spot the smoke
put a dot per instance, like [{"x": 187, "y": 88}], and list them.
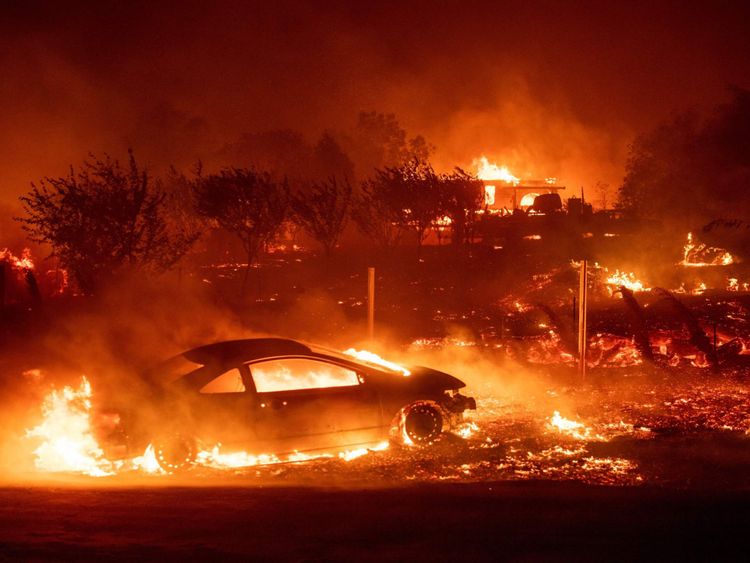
[{"x": 549, "y": 92}]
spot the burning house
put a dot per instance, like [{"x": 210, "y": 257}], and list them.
[{"x": 504, "y": 192}]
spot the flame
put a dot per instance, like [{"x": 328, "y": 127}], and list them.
[
  {"x": 372, "y": 358},
  {"x": 215, "y": 458},
  {"x": 23, "y": 263},
  {"x": 697, "y": 255},
  {"x": 69, "y": 444},
  {"x": 349, "y": 455},
  {"x": 627, "y": 280},
  {"x": 297, "y": 374},
  {"x": 527, "y": 200},
  {"x": 576, "y": 430},
  {"x": 491, "y": 171},
  {"x": 489, "y": 195},
  {"x": 147, "y": 462},
  {"x": 466, "y": 430}
]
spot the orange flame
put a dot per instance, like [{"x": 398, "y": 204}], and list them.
[
  {"x": 372, "y": 358},
  {"x": 696, "y": 255},
  {"x": 627, "y": 280},
  {"x": 69, "y": 444},
  {"x": 571, "y": 428},
  {"x": 24, "y": 262},
  {"x": 491, "y": 171}
]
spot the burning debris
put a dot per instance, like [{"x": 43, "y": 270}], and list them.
[{"x": 701, "y": 255}]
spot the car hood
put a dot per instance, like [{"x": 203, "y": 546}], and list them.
[{"x": 434, "y": 379}]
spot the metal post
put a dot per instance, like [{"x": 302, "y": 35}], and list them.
[
  {"x": 370, "y": 303},
  {"x": 582, "y": 304}
]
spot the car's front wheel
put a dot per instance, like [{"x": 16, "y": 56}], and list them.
[
  {"x": 174, "y": 452},
  {"x": 420, "y": 424}
]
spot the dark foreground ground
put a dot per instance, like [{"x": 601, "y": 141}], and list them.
[{"x": 444, "y": 522}]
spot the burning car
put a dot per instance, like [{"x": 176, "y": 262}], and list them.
[{"x": 278, "y": 395}]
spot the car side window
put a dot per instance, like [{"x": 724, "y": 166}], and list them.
[
  {"x": 227, "y": 382},
  {"x": 291, "y": 374}
]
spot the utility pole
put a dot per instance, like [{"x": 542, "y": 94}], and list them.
[
  {"x": 582, "y": 305},
  {"x": 370, "y": 303}
]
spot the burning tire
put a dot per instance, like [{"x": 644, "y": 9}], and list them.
[
  {"x": 420, "y": 424},
  {"x": 174, "y": 452}
]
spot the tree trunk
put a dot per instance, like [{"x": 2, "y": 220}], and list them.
[{"x": 250, "y": 260}]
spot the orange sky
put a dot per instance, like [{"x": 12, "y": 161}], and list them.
[{"x": 546, "y": 88}]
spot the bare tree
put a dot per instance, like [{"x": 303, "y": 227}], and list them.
[
  {"x": 602, "y": 190},
  {"x": 378, "y": 216},
  {"x": 418, "y": 188},
  {"x": 323, "y": 211},
  {"x": 399, "y": 199},
  {"x": 103, "y": 219},
  {"x": 246, "y": 203}
]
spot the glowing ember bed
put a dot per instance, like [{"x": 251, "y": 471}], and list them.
[{"x": 276, "y": 395}]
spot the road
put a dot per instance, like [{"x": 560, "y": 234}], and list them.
[{"x": 532, "y": 520}]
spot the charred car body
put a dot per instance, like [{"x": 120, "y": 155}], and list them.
[{"x": 272, "y": 395}]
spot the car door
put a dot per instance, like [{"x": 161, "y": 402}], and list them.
[
  {"x": 307, "y": 403},
  {"x": 223, "y": 410}
]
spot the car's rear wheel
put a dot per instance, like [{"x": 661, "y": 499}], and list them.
[
  {"x": 174, "y": 452},
  {"x": 420, "y": 424}
]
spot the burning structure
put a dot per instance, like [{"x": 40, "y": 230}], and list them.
[{"x": 505, "y": 193}]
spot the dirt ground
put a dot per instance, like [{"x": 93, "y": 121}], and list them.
[
  {"x": 656, "y": 467},
  {"x": 436, "y": 522}
]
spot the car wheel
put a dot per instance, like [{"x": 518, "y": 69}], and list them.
[
  {"x": 174, "y": 452},
  {"x": 420, "y": 424}
]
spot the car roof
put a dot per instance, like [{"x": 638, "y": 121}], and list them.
[{"x": 248, "y": 349}]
